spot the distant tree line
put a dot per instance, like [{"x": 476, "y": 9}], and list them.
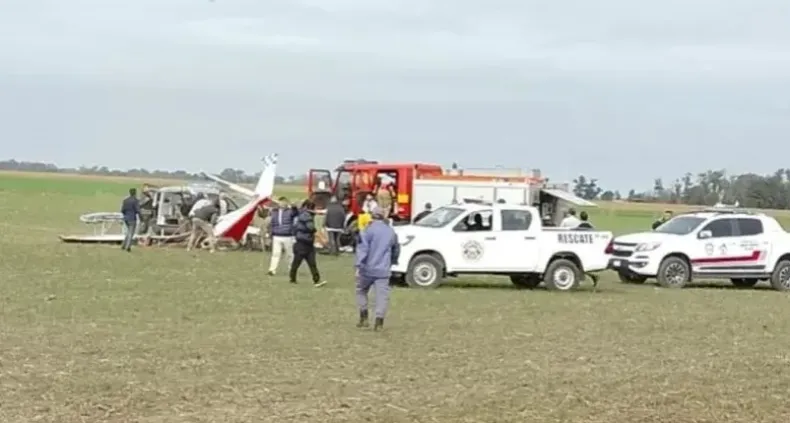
[
  {"x": 704, "y": 188},
  {"x": 770, "y": 191},
  {"x": 231, "y": 175}
]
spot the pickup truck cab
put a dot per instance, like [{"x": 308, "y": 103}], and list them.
[
  {"x": 497, "y": 239},
  {"x": 711, "y": 244}
]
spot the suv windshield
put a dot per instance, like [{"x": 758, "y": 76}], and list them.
[
  {"x": 440, "y": 217},
  {"x": 680, "y": 225}
]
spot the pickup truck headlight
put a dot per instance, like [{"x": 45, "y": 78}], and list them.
[
  {"x": 406, "y": 240},
  {"x": 647, "y": 246}
]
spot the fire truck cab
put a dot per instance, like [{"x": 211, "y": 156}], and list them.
[{"x": 355, "y": 179}]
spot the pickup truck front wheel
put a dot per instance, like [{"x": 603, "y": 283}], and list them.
[
  {"x": 673, "y": 272},
  {"x": 563, "y": 275},
  {"x": 780, "y": 278},
  {"x": 425, "y": 271}
]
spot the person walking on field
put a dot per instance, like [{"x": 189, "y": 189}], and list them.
[
  {"x": 130, "y": 208},
  {"x": 281, "y": 233},
  {"x": 377, "y": 251},
  {"x": 304, "y": 244},
  {"x": 335, "y": 225}
]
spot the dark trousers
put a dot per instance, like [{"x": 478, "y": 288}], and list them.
[
  {"x": 334, "y": 241},
  {"x": 131, "y": 227},
  {"x": 304, "y": 252}
]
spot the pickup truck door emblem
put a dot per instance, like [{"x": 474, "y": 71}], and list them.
[
  {"x": 472, "y": 250},
  {"x": 709, "y": 249}
]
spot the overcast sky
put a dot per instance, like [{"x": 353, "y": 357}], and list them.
[{"x": 616, "y": 89}]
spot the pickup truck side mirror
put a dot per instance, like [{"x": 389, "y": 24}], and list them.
[{"x": 704, "y": 234}]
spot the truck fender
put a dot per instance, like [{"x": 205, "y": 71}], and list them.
[
  {"x": 781, "y": 258},
  {"x": 568, "y": 255}
]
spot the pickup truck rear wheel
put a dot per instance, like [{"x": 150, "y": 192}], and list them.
[
  {"x": 744, "y": 282},
  {"x": 780, "y": 278},
  {"x": 628, "y": 277},
  {"x": 563, "y": 275},
  {"x": 425, "y": 271},
  {"x": 529, "y": 281},
  {"x": 673, "y": 272}
]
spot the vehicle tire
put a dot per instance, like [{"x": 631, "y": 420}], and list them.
[
  {"x": 744, "y": 282},
  {"x": 628, "y": 277},
  {"x": 563, "y": 275},
  {"x": 674, "y": 272},
  {"x": 425, "y": 271},
  {"x": 529, "y": 281},
  {"x": 780, "y": 277}
]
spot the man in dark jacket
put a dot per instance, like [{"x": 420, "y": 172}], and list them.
[
  {"x": 201, "y": 225},
  {"x": 585, "y": 221},
  {"x": 281, "y": 227},
  {"x": 304, "y": 244},
  {"x": 667, "y": 215},
  {"x": 130, "y": 208},
  {"x": 146, "y": 210},
  {"x": 335, "y": 224},
  {"x": 426, "y": 211}
]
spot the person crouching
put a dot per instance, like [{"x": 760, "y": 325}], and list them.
[{"x": 377, "y": 251}]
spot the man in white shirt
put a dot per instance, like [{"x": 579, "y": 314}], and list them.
[
  {"x": 223, "y": 204},
  {"x": 201, "y": 202},
  {"x": 570, "y": 221}
]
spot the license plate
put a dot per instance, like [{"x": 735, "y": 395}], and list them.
[{"x": 616, "y": 263}]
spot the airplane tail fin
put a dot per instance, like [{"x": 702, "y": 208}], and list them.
[
  {"x": 265, "y": 185},
  {"x": 234, "y": 225}
]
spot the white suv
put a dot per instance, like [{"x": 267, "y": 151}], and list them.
[{"x": 711, "y": 244}]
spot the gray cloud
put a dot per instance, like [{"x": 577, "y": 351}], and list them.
[{"x": 483, "y": 83}]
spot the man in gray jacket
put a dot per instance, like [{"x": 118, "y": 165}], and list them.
[
  {"x": 335, "y": 225},
  {"x": 377, "y": 251}
]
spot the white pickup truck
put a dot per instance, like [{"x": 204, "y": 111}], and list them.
[
  {"x": 711, "y": 244},
  {"x": 497, "y": 239}
]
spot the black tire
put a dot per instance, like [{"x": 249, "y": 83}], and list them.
[
  {"x": 425, "y": 271},
  {"x": 529, "y": 281},
  {"x": 780, "y": 277},
  {"x": 674, "y": 272},
  {"x": 744, "y": 282},
  {"x": 563, "y": 275},
  {"x": 628, "y": 277}
]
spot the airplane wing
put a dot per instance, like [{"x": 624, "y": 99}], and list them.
[{"x": 243, "y": 191}]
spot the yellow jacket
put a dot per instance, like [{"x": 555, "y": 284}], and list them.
[{"x": 363, "y": 221}]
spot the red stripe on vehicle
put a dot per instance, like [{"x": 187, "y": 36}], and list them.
[{"x": 733, "y": 259}]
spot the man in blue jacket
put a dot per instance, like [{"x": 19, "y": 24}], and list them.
[
  {"x": 377, "y": 251},
  {"x": 281, "y": 232},
  {"x": 130, "y": 208}
]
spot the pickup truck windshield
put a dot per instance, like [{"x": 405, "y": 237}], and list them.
[
  {"x": 681, "y": 225},
  {"x": 440, "y": 217}
]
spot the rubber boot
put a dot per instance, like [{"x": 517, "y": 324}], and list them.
[
  {"x": 379, "y": 323},
  {"x": 363, "y": 319}
]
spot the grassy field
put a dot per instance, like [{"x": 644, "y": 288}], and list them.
[{"x": 92, "y": 334}]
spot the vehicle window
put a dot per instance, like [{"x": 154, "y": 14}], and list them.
[
  {"x": 720, "y": 228},
  {"x": 748, "y": 227},
  {"x": 516, "y": 220},
  {"x": 475, "y": 221},
  {"x": 440, "y": 217},
  {"x": 343, "y": 186},
  {"x": 681, "y": 225}
]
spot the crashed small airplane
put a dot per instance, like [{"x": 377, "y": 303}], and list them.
[{"x": 235, "y": 225}]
